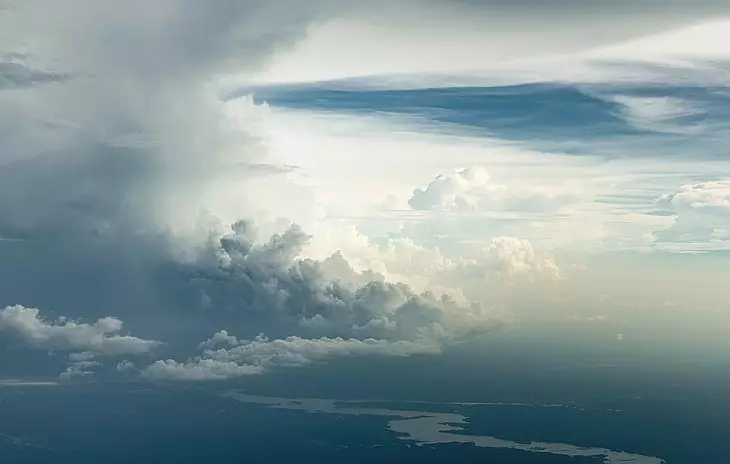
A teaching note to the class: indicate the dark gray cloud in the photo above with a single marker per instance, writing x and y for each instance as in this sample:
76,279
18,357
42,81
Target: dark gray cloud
94,168
236,273
14,75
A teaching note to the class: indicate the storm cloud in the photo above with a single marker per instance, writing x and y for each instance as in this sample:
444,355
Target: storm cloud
126,195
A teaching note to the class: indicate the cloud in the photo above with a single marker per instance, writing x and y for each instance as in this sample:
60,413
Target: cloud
692,41
353,314
221,338
251,357
102,338
470,190
705,197
118,179
25,383
198,370
81,369
701,214
517,257
70,142
125,366
236,273
110,174
465,190
82,356
15,75
476,35
660,114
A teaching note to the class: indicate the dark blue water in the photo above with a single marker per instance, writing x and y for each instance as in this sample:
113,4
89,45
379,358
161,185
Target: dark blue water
669,403
117,425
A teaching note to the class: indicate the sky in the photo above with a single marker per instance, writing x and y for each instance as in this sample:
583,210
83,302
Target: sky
194,191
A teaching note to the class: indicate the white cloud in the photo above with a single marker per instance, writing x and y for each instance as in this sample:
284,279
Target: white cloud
300,291
80,369
251,357
660,114
517,257
701,41
125,366
26,383
198,370
82,356
471,190
399,39
701,218
222,338
558,202
707,197
101,338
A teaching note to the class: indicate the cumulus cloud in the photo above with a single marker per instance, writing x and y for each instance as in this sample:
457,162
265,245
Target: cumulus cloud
82,356
269,278
350,314
109,147
125,366
707,197
471,190
701,214
515,256
198,370
111,173
466,190
101,338
80,369
118,172
221,338
401,259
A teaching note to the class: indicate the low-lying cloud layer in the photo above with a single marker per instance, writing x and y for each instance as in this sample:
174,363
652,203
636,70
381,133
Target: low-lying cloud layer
238,358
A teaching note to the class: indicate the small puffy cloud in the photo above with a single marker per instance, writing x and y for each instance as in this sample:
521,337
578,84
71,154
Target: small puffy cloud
471,190
83,356
701,214
102,338
251,357
708,197
517,257
125,366
466,190
80,369
219,339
